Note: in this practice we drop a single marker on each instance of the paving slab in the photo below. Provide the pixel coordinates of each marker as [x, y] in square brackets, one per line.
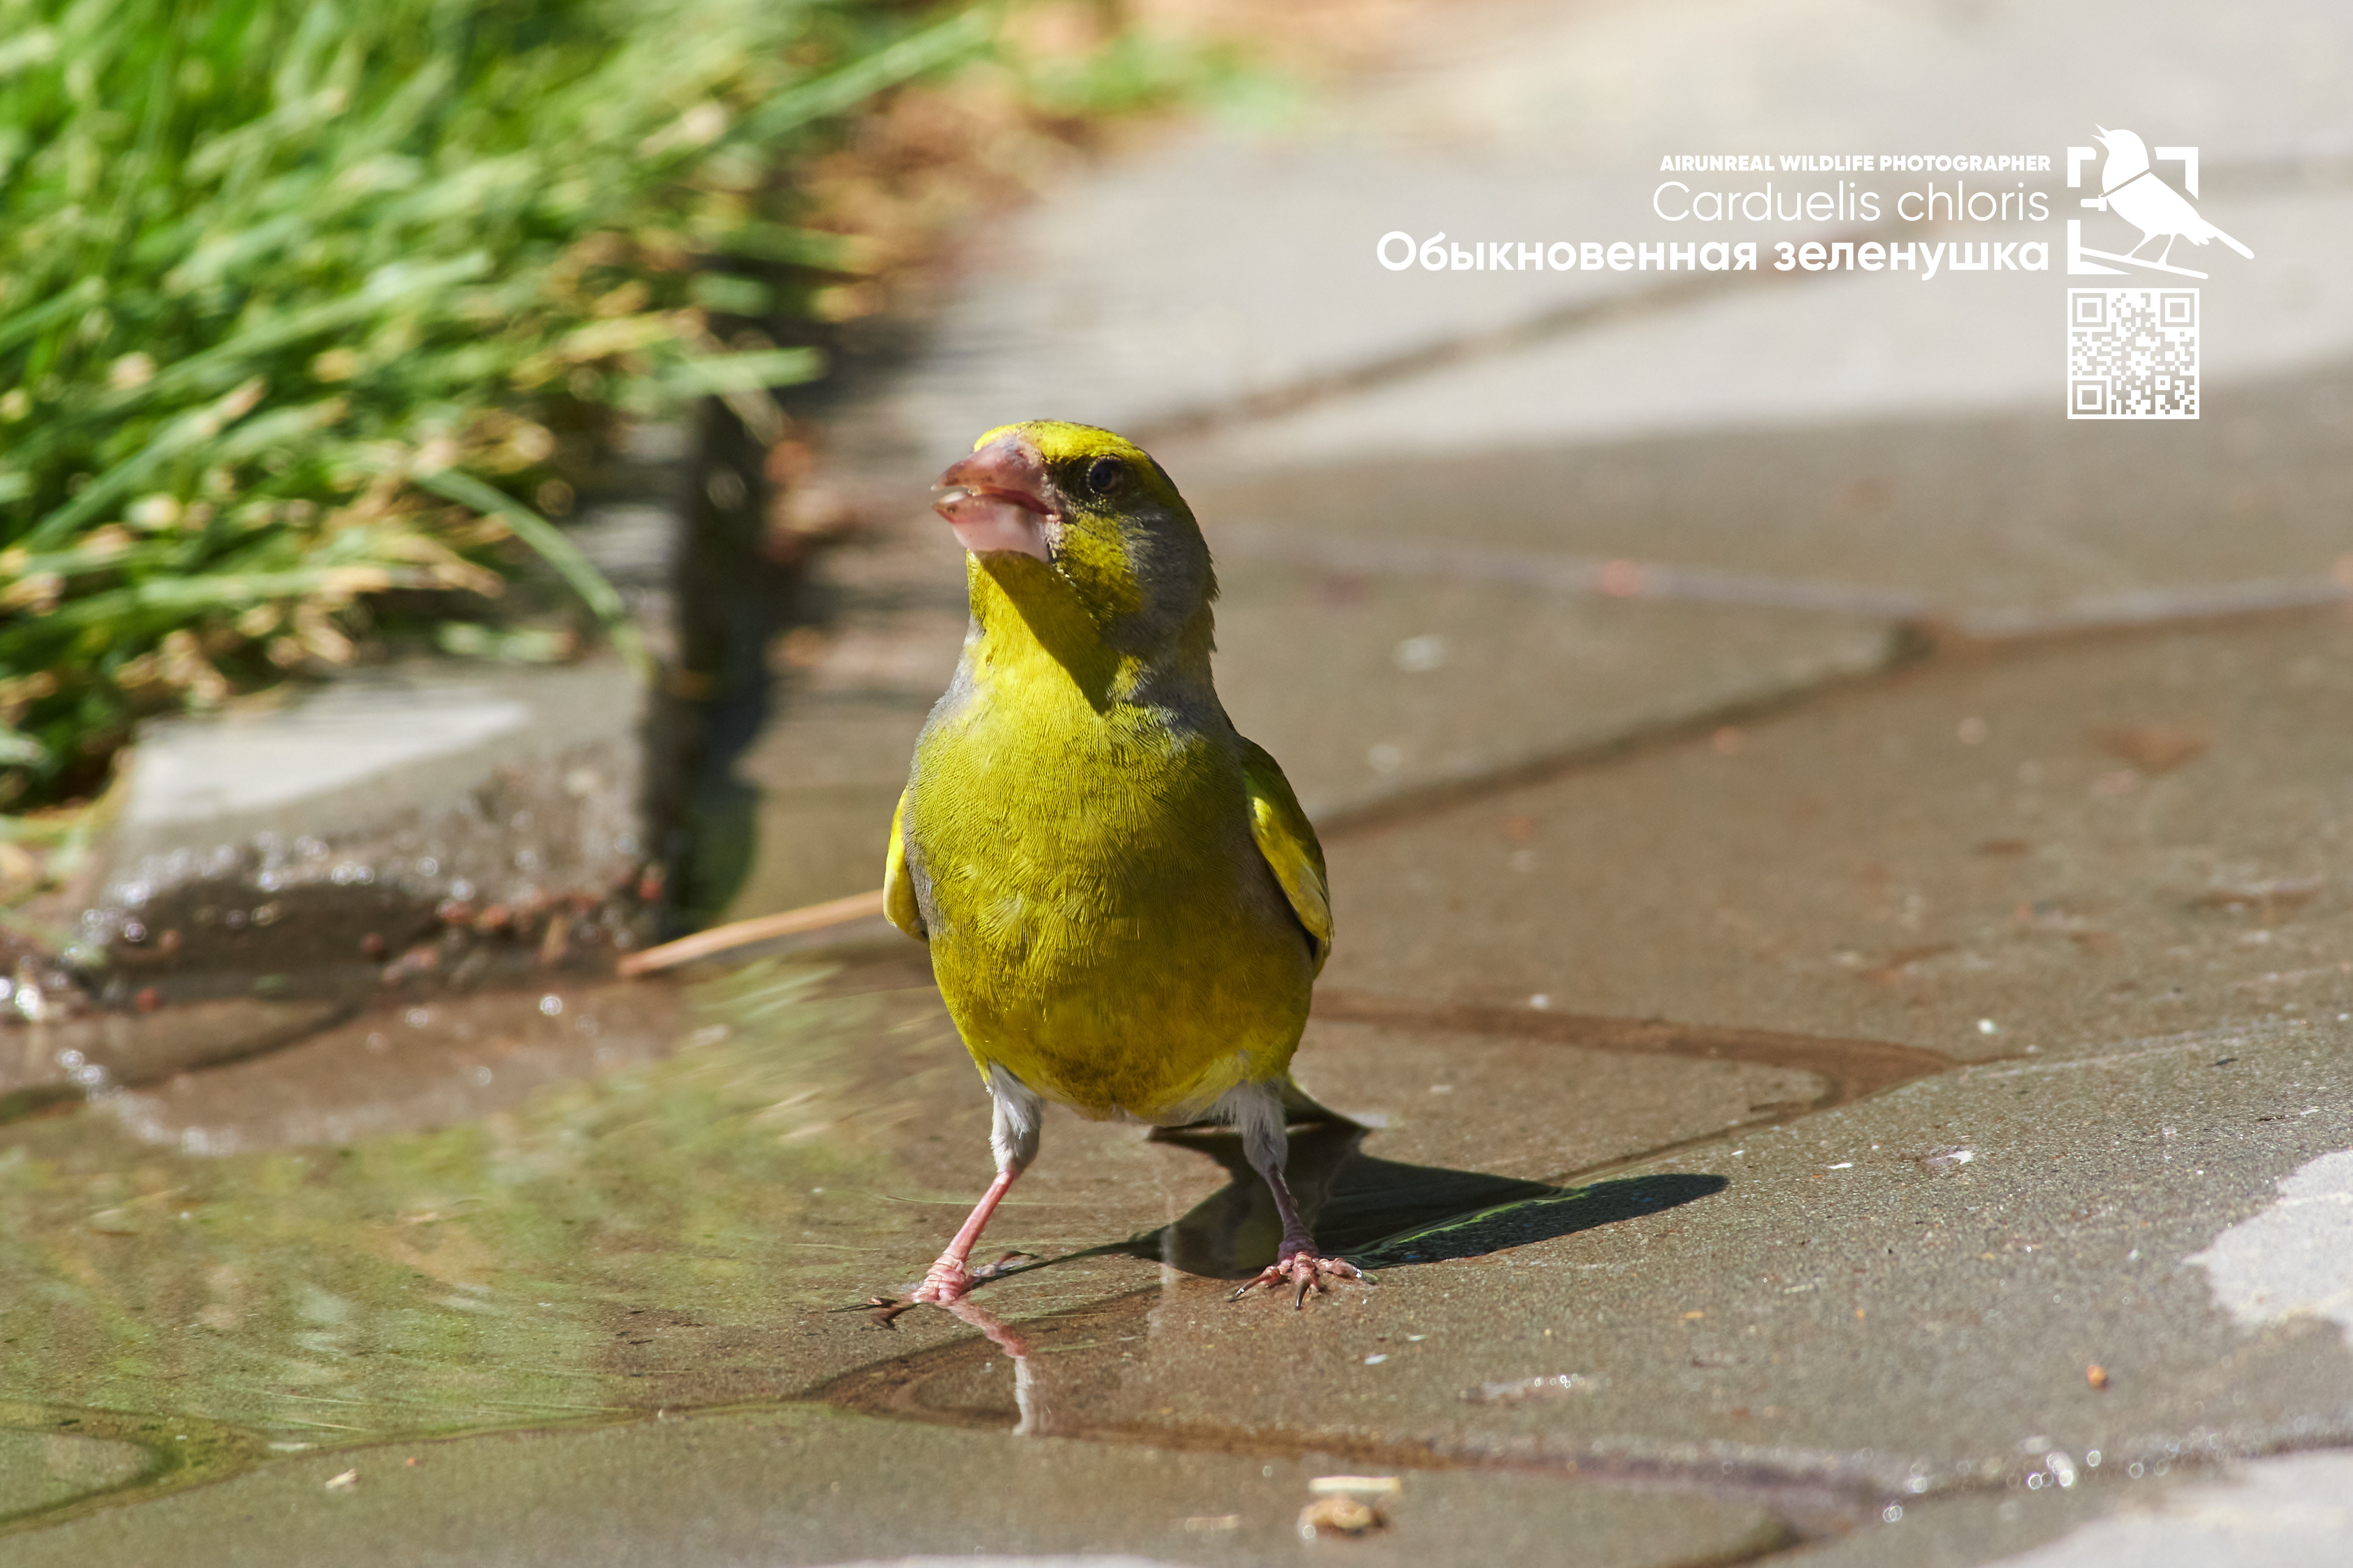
[802, 1485]
[1859, 1319]
[1968, 514]
[257, 869]
[1215, 295]
[326, 833]
[1419, 684]
[2103, 839]
[2291, 1510]
[2296, 1512]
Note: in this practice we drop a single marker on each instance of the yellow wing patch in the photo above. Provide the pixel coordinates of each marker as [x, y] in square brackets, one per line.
[1287, 840]
[898, 888]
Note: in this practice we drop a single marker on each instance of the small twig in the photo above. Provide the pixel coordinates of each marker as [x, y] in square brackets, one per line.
[742, 934]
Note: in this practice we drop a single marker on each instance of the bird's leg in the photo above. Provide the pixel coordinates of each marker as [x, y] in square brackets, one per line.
[1258, 1117]
[949, 1278]
[1013, 1136]
[1297, 1263]
[2166, 254]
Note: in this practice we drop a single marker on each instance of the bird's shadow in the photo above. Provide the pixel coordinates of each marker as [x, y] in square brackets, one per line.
[1383, 1214]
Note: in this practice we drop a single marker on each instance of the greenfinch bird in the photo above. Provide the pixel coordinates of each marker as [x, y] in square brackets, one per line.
[1126, 905]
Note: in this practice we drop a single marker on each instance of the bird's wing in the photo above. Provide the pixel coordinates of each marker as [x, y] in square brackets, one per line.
[1287, 840]
[898, 885]
[2161, 209]
[2174, 208]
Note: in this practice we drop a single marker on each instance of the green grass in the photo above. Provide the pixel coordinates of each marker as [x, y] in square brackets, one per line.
[300, 300]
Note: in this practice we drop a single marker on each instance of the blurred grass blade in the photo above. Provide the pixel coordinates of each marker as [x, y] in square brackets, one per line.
[183, 434]
[964, 34]
[602, 599]
[180, 596]
[16, 329]
[752, 371]
[388, 285]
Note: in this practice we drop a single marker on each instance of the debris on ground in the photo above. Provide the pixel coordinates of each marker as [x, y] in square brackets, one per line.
[1347, 1505]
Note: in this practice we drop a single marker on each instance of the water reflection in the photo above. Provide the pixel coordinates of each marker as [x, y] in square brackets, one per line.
[1029, 1402]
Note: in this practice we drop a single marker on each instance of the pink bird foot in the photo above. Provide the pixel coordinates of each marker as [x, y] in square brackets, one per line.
[1303, 1270]
[949, 1281]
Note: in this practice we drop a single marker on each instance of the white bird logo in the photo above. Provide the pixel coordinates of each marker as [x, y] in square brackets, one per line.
[2132, 190]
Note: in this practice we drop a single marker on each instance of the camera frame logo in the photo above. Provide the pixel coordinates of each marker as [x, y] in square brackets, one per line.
[2132, 353]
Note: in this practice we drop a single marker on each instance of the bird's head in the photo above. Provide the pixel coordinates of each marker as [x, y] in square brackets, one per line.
[1051, 509]
[2127, 154]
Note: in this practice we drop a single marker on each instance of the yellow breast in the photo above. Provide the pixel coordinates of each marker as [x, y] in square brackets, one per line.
[1101, 923]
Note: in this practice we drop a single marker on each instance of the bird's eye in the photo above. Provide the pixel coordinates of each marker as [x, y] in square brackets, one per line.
[1105, 475]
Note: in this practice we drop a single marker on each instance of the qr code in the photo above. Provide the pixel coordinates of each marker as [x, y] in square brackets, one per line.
[2132, 354]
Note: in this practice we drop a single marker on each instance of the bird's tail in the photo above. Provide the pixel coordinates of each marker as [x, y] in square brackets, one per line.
[2234, 244]
[1299, 1108]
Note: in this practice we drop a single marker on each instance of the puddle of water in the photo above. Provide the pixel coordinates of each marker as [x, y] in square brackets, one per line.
[351, 1269]
[434, 1062]
[48, 1061]
[59, 1461]
[41, 1469]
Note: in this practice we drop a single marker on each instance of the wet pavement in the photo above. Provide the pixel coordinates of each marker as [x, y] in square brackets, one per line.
[804, 1485]
[1843, 1005]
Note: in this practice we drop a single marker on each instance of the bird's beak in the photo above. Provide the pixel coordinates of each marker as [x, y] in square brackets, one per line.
[994, 499]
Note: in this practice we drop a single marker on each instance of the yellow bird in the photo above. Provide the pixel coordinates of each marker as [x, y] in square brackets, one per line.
[1126, 905]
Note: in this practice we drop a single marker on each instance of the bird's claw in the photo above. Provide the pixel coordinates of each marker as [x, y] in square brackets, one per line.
[1303, 1270]
[881, 1311]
